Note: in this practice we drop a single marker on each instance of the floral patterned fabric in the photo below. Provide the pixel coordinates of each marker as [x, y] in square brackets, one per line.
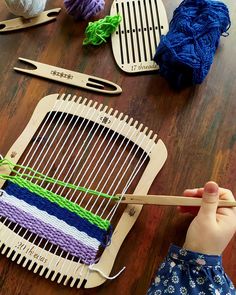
[186, 272]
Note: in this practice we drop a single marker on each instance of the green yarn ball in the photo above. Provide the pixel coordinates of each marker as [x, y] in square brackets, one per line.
[97, 32]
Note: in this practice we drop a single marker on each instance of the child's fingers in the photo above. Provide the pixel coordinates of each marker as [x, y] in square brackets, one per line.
[197, 193]
[226, 194]
[188, 209]
[210, 199]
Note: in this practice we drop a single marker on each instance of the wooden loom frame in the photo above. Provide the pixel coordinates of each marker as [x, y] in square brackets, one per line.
[77, 270]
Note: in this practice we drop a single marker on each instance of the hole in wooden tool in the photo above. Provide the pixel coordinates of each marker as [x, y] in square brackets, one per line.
[13, 154]
[102, 85]
[2, 247]
[28, 263]
[63, 280]
[51, 274]
[22, 260]
[34, 266]
[8, 249]
[12, 254]
[70, 280]
[29, 66]
[130, 25]
[94, 86]
[132, 211]
[53, 13]
[57, 276]
[2, 26]
[45, 272]
[83, 284]
[104, 120]
[39, 269]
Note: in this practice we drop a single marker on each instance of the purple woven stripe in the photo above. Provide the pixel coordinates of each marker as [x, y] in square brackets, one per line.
[84, 8]
[47, 231]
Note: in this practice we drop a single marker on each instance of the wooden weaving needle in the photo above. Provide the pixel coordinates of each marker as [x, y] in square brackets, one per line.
[69, 77]
[22, 23]
[169, 200]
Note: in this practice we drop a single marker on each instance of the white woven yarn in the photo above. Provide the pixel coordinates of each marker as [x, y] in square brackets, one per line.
[52, 220]
[26, 8]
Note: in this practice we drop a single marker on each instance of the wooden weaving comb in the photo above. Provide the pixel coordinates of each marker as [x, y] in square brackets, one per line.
[82, 142]
[135, 41]
[22, 23]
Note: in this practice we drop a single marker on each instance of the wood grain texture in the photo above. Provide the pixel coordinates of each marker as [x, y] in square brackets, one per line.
[197, 125]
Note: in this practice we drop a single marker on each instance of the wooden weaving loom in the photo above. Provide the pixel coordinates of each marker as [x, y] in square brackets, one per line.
[135, 41]
[90, 147]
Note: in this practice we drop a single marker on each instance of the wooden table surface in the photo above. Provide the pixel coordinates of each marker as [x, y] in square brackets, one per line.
[198, 126]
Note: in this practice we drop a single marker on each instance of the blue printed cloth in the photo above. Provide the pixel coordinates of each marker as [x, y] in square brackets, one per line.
[186, 272]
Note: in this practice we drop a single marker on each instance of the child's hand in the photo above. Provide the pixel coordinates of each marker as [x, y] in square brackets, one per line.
[212, 228]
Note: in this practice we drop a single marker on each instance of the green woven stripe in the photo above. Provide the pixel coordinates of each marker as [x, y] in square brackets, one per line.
[39, 176]
[62, 202]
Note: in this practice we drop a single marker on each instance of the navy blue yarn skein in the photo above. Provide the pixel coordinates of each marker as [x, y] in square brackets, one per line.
[186, 53]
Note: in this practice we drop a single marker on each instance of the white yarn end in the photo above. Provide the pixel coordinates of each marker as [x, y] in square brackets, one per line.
[92, 268]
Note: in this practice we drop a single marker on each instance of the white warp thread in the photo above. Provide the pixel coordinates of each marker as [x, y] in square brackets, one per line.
[26, 8]
[92, 268]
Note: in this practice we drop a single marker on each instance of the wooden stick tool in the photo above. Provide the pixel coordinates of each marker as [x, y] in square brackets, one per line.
[70, 77]
[22, 23]
[169, 200]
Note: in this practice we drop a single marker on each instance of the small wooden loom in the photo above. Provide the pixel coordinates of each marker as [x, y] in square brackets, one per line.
[135, 41]
[89, 145]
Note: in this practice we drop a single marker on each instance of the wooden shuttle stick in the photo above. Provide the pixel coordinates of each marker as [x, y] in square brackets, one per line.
[169, 200]
[20, 23]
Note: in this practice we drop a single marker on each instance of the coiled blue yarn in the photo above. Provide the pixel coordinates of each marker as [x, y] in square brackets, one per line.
[186, 53]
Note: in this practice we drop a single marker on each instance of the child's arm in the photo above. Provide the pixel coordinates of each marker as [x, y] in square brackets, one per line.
[197, 267]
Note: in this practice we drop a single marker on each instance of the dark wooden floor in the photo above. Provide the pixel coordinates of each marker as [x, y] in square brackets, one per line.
[198, 126]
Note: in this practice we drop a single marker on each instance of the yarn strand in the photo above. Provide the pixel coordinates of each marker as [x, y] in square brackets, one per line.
[18, 178]
[186, 53]
[97, 32]
[84, 9]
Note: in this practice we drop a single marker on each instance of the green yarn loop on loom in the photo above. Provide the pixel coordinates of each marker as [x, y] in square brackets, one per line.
[61, 201]
[39, 176]
[97, 32]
